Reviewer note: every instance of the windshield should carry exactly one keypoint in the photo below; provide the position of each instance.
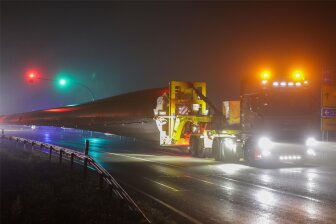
(286, 103)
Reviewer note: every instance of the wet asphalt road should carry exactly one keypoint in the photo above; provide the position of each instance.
(205, 191)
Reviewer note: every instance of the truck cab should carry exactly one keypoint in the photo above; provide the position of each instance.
(280, 119)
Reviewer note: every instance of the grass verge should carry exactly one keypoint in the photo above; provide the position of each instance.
(35, 189)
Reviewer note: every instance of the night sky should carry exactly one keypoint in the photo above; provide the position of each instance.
(117, 47)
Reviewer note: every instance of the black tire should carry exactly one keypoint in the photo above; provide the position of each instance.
(228, 155)
(200, 148)
(232, 155)
(216, 153)
(193, 143)
(249, 153)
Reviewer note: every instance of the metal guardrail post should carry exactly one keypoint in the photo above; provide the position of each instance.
(86, 153)
(50, 152)
(72, 159)
(60, 156)
(86, 150)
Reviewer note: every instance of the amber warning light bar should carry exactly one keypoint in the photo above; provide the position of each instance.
(297, 80)
(265, 83)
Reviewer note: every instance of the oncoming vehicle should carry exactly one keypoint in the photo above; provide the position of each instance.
(274, 121)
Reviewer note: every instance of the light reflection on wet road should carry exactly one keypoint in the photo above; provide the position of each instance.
(206, 190)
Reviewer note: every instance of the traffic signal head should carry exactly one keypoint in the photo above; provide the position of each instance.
(31, 76)
(62, 82)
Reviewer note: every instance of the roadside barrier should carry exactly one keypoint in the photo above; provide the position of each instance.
(87, 162)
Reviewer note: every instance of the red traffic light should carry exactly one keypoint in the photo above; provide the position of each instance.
(31, 76)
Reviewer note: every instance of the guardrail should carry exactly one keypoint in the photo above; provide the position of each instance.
(75, 156)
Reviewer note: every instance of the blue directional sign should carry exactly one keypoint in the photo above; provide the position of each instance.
(328, 112)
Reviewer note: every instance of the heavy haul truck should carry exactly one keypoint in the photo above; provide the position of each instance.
(274, 120)
(270, 112)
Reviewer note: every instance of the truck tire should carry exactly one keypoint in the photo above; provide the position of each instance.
(216, 149)
(193, 143)
(228, 154)
(220, 151)
(200, 148)
(249, 153)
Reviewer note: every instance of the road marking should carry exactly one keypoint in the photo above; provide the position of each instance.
(132, 157)
(164, 185)
(170, 207)
(258, 186)
(233, 180)
(208, 182)
(147, 160)
(273, 190)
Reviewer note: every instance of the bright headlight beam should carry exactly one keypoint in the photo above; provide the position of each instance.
(311, 152)
(266, 153)
(311, 141)
(265, 143)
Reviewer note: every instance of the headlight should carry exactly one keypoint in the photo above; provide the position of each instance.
(311, 141)
(265, 153)
(265, 143)
(311, 152)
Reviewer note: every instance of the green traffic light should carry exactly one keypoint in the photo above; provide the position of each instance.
(62, 82)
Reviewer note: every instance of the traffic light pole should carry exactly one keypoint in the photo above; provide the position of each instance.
(78, 83)
(87, 88)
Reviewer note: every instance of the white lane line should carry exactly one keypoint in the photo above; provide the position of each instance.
(147, 160)
(170, 207)
(208, 182)
(132, 157)
(164, 185)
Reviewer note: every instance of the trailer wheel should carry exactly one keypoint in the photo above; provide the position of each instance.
(249, 152)
(194, 142)
(229, 150)
(200, 148)
(216, 149)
